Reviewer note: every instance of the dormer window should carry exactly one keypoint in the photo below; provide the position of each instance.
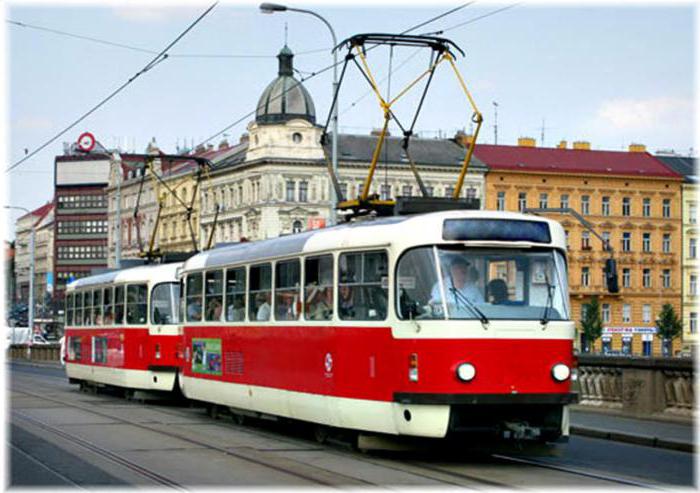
(297, 137)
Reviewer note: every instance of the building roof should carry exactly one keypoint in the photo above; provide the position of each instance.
(682, 165)
(553, 160)
(40, 213)
(443, 152)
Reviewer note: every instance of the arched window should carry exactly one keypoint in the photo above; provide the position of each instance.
(296, 227)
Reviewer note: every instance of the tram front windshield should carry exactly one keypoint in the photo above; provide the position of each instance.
(478, 284)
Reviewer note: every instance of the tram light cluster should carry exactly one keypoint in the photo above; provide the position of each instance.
(561, 372)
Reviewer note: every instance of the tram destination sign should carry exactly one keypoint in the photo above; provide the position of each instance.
(496, 230)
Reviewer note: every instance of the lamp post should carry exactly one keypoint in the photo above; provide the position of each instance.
(30, 314)
(271, 8)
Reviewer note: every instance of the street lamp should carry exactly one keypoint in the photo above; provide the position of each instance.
(30, 314)
(271, 8)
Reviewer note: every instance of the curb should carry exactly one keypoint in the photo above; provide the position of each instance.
(647, 441)
(37, 364)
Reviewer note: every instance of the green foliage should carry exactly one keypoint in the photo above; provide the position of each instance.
(591, 321)
(668, 323)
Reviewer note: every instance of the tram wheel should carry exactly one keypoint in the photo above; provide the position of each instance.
(321, 433)
(213, 411)
(239, 419)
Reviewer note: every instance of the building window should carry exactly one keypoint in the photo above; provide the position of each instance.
(290, 191)
(626, 313)
(564, 201)
(385, 191)
(585, 205)
(666, 278)
(501, 201)
(585, 240)
(296, 137)
(626, 206)
(693, 285)
(407, 190)
(646, 207)
(522, 201)
(646, 242)
(646, 314)
(693, 248)
(646, 278)
(296, 227)
(449, 191)
(585, 276)
(429, 190)
(692, 214)
(566, 235)
(666, 208)
(544, 199)
(606, 313)
(666, 243)
(605, 206)
(343, 191)
(626, 241)
(606, 240)
(626, 278)
(693, 322)
(303, 191)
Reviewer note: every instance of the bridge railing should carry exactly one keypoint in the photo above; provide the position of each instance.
(34, 352)
(641, 387)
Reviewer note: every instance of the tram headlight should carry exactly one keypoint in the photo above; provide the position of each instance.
(560, 372)
(466, 372)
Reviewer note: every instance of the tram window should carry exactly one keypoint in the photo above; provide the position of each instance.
(194, 297)
(235, 294)
(107, 308)
(87, 308)
(119, 305)
(99, 350)
(214, 296)
(69, 309)
(362, 286)
(97, 307)
(415, 285)
(287, 282)
(78, 316)
(136, 303)
(164, 303)
(259, 294)
(318, 288)
(73, 348)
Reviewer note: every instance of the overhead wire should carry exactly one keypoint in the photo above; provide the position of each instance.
(160, 57)
(470, 21)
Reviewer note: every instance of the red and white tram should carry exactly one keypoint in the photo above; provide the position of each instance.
(122, 328)
(427, 325)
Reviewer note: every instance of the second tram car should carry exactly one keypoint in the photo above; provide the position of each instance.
(122, 328)
(428, 325)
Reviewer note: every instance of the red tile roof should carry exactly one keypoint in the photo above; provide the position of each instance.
(41, 212)
(520, 158)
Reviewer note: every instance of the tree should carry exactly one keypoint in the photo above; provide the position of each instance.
(669, 327)
(591, 323)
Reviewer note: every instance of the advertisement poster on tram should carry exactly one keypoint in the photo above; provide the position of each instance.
(206, 356)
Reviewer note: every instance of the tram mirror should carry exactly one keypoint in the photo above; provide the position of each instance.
(611, 275)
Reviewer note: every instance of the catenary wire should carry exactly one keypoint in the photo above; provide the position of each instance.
(161, 56)
(477, 18)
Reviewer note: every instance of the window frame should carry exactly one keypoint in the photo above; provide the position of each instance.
(336, 306)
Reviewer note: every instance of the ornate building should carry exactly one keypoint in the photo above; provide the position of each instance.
(631, 199)
(42, 221)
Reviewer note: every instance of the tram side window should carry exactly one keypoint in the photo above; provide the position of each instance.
(164, 303)
(136, 303)
(287, 282)
(235, 295)
(363, 286)
(194, 297)
(119, 305)
(417, 286)
(107, 307)
(73, 348)
(99, 350)
(87, 308)
(78, 317)
(214, 297)
(259, 294)
(318, 287)
(97, 307)
(69, 309)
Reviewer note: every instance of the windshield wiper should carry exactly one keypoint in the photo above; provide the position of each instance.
(465, 301)
(550, 301)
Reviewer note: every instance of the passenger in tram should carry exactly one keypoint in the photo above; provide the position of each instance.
(109, 316)
(319, 305)
(285, 307)
(236, 311)
(497, 290)
(194, 310)
(464, 278)
(263, 302)
(346, 302)
(214, 309)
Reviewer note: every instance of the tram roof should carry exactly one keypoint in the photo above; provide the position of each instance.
(375, 233)
(143, 273)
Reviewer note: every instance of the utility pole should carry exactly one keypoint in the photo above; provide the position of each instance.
(117, 161)
(495, 123)
(542, 134)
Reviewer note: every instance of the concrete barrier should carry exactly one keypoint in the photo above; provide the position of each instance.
(34, 352)
(638, 387)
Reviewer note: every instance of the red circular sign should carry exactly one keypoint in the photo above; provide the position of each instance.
(86, 142)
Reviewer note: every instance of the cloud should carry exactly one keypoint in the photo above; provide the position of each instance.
(644, 114)
(33, 123)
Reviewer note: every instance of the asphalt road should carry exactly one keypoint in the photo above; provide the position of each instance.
(61, 437)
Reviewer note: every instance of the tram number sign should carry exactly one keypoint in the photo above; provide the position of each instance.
(86, 142)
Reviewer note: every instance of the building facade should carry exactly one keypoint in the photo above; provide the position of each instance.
(633, 202)
(41, 220)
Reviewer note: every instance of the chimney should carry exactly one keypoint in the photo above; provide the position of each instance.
(562, 145)
(463, 139)
(582, 145)
(526, 142)
(244, 138)
(210, 147)
(637, 148)
(223, 144)
(199, 149)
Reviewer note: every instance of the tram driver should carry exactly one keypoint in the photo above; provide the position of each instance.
(464, 278)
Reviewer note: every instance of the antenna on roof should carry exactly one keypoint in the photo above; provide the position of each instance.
(495, 122)
(286, 33)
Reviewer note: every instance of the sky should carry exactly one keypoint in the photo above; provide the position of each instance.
(608, 74)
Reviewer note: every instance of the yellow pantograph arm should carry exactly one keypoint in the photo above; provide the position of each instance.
(375, 157)
(418, 79)
(372, 82)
